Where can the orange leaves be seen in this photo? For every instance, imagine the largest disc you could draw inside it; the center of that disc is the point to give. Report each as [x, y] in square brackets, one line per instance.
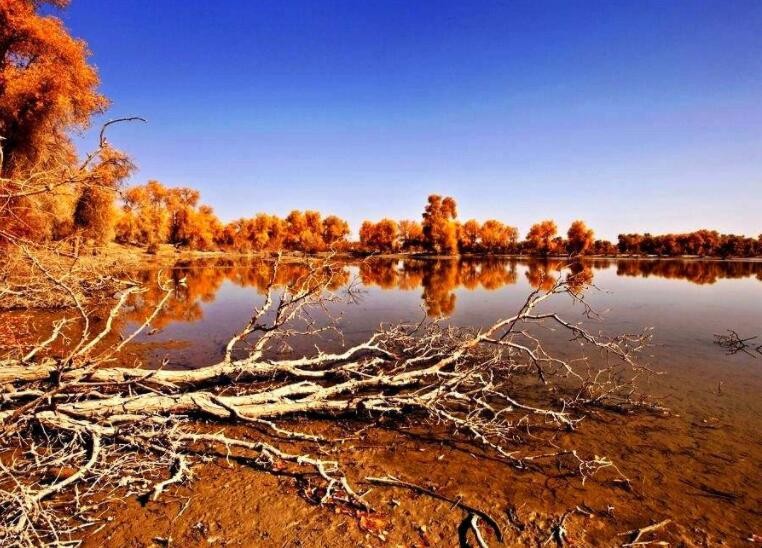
[335, 230]
[48, 86]
[411, 234]
[702, 242]
[580, 239]
[303, 231]
[468, 235]
[440, 230]
[498, 237]
[154, 214]
[95, 213]
[47, 89]
[380, 236]
[540, 238]
[306, 231]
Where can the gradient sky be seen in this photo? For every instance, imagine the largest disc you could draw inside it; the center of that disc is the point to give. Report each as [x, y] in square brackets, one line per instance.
[635, 116]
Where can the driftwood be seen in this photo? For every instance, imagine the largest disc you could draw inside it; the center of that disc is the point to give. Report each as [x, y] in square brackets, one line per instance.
[733, 343]
[472, 513]
[136, 429]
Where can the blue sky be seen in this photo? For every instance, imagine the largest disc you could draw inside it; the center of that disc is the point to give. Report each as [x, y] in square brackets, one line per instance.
[635, 116]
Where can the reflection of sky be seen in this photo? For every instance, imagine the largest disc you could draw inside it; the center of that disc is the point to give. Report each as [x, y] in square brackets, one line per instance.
[636, 116]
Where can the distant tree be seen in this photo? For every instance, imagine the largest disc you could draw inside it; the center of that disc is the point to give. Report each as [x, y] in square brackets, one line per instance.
[540, 238]
[604, 247]
[440, 231]
[579, 238]
[629, 243]
[145, 219]
[95, 213]
[497, 237]
[335, 231]
[202, 228]
[411, 234]
[180, 203]
[304, 231]
[381, 236]
[468, 235]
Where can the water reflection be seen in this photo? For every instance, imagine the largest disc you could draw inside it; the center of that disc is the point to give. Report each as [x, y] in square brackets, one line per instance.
[697, 272]
[201, 281]
[437, 279]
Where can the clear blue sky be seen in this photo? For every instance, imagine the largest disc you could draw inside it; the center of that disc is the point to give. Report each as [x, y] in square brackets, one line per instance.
[632, 115]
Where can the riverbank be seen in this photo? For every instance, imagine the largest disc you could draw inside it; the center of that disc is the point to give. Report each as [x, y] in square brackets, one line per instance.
[168, 252]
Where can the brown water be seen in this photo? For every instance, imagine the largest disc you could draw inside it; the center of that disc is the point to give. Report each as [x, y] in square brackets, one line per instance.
[702, 466]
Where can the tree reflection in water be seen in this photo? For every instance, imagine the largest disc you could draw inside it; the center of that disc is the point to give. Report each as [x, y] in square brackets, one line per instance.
[437, 278]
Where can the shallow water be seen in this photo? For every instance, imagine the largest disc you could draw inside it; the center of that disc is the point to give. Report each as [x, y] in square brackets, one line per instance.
[685, 302]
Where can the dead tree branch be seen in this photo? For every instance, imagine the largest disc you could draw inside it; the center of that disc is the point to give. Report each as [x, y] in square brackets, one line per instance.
[78, 411]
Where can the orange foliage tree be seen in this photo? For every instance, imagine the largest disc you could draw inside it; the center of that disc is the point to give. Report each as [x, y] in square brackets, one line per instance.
[153, 214]
[304, 231]
[95, 213]
[468, 235]
[700, 242]
[144, 219]
[440, 229]
[411, 235]
[47, 87]
[541, 238]
[498, 237]
[335, 232]
[380, 236]
[580, 238]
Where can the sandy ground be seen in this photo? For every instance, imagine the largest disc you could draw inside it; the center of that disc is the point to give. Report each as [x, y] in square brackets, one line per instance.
[712, 500]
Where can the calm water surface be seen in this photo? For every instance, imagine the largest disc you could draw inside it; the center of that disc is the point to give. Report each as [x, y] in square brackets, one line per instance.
[685, 302]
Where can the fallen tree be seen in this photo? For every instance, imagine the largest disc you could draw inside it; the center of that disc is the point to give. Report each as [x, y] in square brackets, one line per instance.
[75, 424]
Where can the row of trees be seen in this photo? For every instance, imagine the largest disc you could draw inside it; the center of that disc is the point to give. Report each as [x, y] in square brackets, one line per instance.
[153, 214]
[705, 243]
[441, 233]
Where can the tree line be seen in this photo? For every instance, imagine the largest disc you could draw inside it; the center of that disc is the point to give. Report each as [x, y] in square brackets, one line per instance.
[48, 89]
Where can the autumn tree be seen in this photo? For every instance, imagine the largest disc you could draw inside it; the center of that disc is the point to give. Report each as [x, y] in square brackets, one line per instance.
[95, 213]
[201, 228]
[579, 238]
[145, 219]
[498, 237]
[47, 87]
[267, 232]
[540, 238]
[468, 235]
[381, 236]
[180, 203]
[335, 231]
[411, 234]
[304, 231]
[440, 230]
[604, 247]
